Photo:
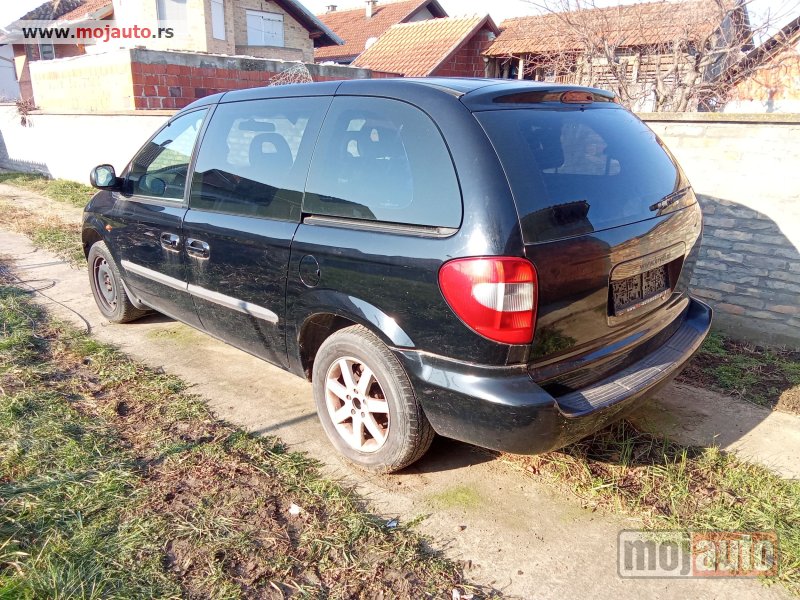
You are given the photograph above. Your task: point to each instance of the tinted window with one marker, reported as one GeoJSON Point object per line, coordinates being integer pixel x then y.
{"type": "Point", "coordinates": [254, 157]}
{"type": "Point", "coordinates": [383, 160]}
{"type": "Point", "coordinates": [161, 167]}
{"type": "Point", "coordinates": [577, 171]}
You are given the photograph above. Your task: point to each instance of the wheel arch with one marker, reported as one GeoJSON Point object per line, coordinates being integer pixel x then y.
{"type": "Point", "coordinates": [320, 322]}
{"type": "Point", "coordinates": [90, 235]}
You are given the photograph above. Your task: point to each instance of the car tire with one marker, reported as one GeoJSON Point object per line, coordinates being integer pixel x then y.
{"type": "Point", "coordinates": [107, 289]}
{"type": "Point", "coordinates": [377, 424]}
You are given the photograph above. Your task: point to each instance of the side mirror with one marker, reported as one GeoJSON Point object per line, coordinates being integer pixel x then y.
{"type": "Point", "coordinates": [104, 178]}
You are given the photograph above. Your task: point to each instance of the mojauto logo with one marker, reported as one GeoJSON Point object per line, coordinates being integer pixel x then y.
{"type": "Point", "coordinates": [656, 554]}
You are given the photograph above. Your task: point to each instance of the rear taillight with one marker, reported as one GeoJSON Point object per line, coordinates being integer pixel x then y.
{"type": "Point", "coordinates": [494, 296]}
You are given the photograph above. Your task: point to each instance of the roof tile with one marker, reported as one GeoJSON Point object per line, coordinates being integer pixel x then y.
{"type": "Point", "coordinates": [624, 26]}
{"type": "Point", "coordinates": [88, 8]}
{"type": "Point", "coordinates": [355, 29]}
{"type": "Point", "coordinates": [416, 49]}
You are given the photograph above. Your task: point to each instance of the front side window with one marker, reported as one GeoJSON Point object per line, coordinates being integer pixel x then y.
{"type": "Point", "coordinates": [264, 28]}
{"type": "Point", "coordinates": [383, 160]}
{"type": "Point", "coordinates": [161, 167]}
{"type": "Point", "coordinates": [254, 157]}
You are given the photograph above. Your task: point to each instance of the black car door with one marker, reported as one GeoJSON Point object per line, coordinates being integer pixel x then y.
{"type": "Point", "coordinates": [146, 220]}
{"type": "Point", "coordinates": [244, 208]}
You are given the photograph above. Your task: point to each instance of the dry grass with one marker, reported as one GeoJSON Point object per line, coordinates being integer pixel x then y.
{"type": "Point", "coordinates": [117, 483]}
{"type": "Point", "coordinates": [765, 376]}
{"type": "Point", "coordinates": [675, 487]}
{"type": "Point", "coordinates": [61, 238]}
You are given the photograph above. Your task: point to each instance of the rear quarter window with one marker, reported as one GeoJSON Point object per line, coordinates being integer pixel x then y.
{"type": "Point", "coordinates": [382, 160]}
{"type": "Point", "coordinates": [575, 171]}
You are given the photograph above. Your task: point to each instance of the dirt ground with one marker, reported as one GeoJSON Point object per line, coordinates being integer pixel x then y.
{"type": "Point", "coordinates": [519, 536]}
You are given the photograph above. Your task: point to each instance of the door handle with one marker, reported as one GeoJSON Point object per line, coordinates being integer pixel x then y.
{"type": "Point", "coordinates": [197, 248]}
{"type": "Point", "coordinates": [170, 241]}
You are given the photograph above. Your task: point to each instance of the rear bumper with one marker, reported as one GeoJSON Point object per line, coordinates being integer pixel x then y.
{"type": "Point", "coordinates": [502, 408]}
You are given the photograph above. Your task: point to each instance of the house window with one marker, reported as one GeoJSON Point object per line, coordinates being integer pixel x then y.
{"type": "Point", "coordinates": [47, 51]}
{"type": "Point", "coordinates": [264, 28]}
{"type": "Point", "coordinates": [171, 10]}
{"type": "Point", "coordinates": [218, 19]}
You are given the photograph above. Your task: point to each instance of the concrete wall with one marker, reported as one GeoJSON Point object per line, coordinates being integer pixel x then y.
{"type": "Point", "coordinates": [95, 83]}
{"type": "Point", "coordinates": [746, 169]}
{"type": "Point", "coordinates": [68, 145]}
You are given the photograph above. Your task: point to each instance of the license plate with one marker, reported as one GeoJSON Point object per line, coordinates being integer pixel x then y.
{"type": "Point", "coordinates": [633, 292]}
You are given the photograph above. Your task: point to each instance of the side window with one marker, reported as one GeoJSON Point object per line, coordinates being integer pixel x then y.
{"type": "Point", "coordinates": [254, 157]}
{"type": "Point", "coordinates": [383, 160]}
{"type": "Point", "coordinates": [161, 167]}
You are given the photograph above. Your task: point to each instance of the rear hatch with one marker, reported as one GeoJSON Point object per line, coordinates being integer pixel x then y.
{"type": "Point", "coordinates": [608, 219]}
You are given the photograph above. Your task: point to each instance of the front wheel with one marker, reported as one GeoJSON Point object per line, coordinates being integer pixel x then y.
{"type": "Point", "coordinates": [107, 289]}
{"type": "Point", "coordinates": [366, 404]}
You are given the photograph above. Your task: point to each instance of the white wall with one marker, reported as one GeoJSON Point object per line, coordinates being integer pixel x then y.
{"type": "Point", "coordinates": [68, 146]}
{"type": "Point", "coordinates": [9, 88]}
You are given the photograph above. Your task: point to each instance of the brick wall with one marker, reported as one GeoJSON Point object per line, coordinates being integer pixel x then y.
{"type": "Point", "coordinates": [745, 169]}
{"type": "Point", "coordinates": [775, 88]}
{"type": "Point", "coordinates": [150, 79]}
{"type": "Point", "coordinates": [167, 80]}
{"type": "Point", "coordinates": [468, 60]}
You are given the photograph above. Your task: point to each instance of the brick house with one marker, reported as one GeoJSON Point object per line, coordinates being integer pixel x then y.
{"type": "Point", "coordinates": [447, 47]}
{"type": "Point", "coordinates": [268, 29]}
{"type": "Point", "coordinates": [769, 78]}
{"type": "Point", "coordinates": [360, 27]}
{"type": "Point", "coordinates": [65, 10]}
{"type": "Point", "coordinates": [638, 44]}
{"type": "Point", "coordinates": [276, 29]}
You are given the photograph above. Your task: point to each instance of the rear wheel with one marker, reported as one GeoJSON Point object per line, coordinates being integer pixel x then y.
{"type": "Point", "coordinates": [107, 289]}
{"type": "Point", "coordinates": [366, 404]}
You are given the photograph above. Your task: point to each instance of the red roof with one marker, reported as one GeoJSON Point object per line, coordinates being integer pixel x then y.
{"type": "Point", "coordinates": [89, 9]}
{"type": "Point", "coordinates": [417, 49]}
{"type": "Point", "coordinates": [356, 29]}
{"type": "Point", "coordinates": [623, 26]}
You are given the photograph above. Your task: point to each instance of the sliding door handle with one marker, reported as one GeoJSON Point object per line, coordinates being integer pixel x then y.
{"type": "Point", "coordinates": [170, 241]}
{"type": "Point", "coordinates": [197, 248]}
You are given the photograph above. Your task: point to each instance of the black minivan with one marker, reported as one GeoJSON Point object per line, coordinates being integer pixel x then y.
{"type": "Point", "coordinates": [500, 262]}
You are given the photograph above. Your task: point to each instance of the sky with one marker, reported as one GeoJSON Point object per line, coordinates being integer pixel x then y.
{"type": "Point", "coordinates": [499, 9]}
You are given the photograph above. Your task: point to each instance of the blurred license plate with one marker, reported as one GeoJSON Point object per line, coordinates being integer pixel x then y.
{"type": "Point", "coordinates": [628, 294]}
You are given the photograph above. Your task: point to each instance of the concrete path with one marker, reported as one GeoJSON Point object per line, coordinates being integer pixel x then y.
{"type": "Point", "coordinates": [701, 417]}
{"type": "Point", "coordinates": [520, 536]}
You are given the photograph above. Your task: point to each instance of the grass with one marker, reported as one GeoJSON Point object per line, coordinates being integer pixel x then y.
{"type": "Point", "coordinates": [765, 376]}
{"type": "Point", "coordinates": [62, 190]}
{"type": "Point", "coordinates": [59, 237]}
{"type": "Point", "coordinates": [675, 487]}
{"type": "Point", "coordinates": [115, 482]}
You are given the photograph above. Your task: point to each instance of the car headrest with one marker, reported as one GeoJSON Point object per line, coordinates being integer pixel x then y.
{"type": "Point", "coordinates": [270, 151]}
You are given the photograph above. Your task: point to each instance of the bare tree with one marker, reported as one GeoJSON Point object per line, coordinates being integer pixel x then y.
{"type": "Point", "coordinates": [661, 56]}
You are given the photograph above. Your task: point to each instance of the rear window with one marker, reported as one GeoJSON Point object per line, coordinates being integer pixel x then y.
{"type": "Point", "coordinates": [576, 171]}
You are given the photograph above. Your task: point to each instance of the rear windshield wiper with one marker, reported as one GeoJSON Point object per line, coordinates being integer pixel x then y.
{"type": "Point", "coordinates": [670, 199]}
